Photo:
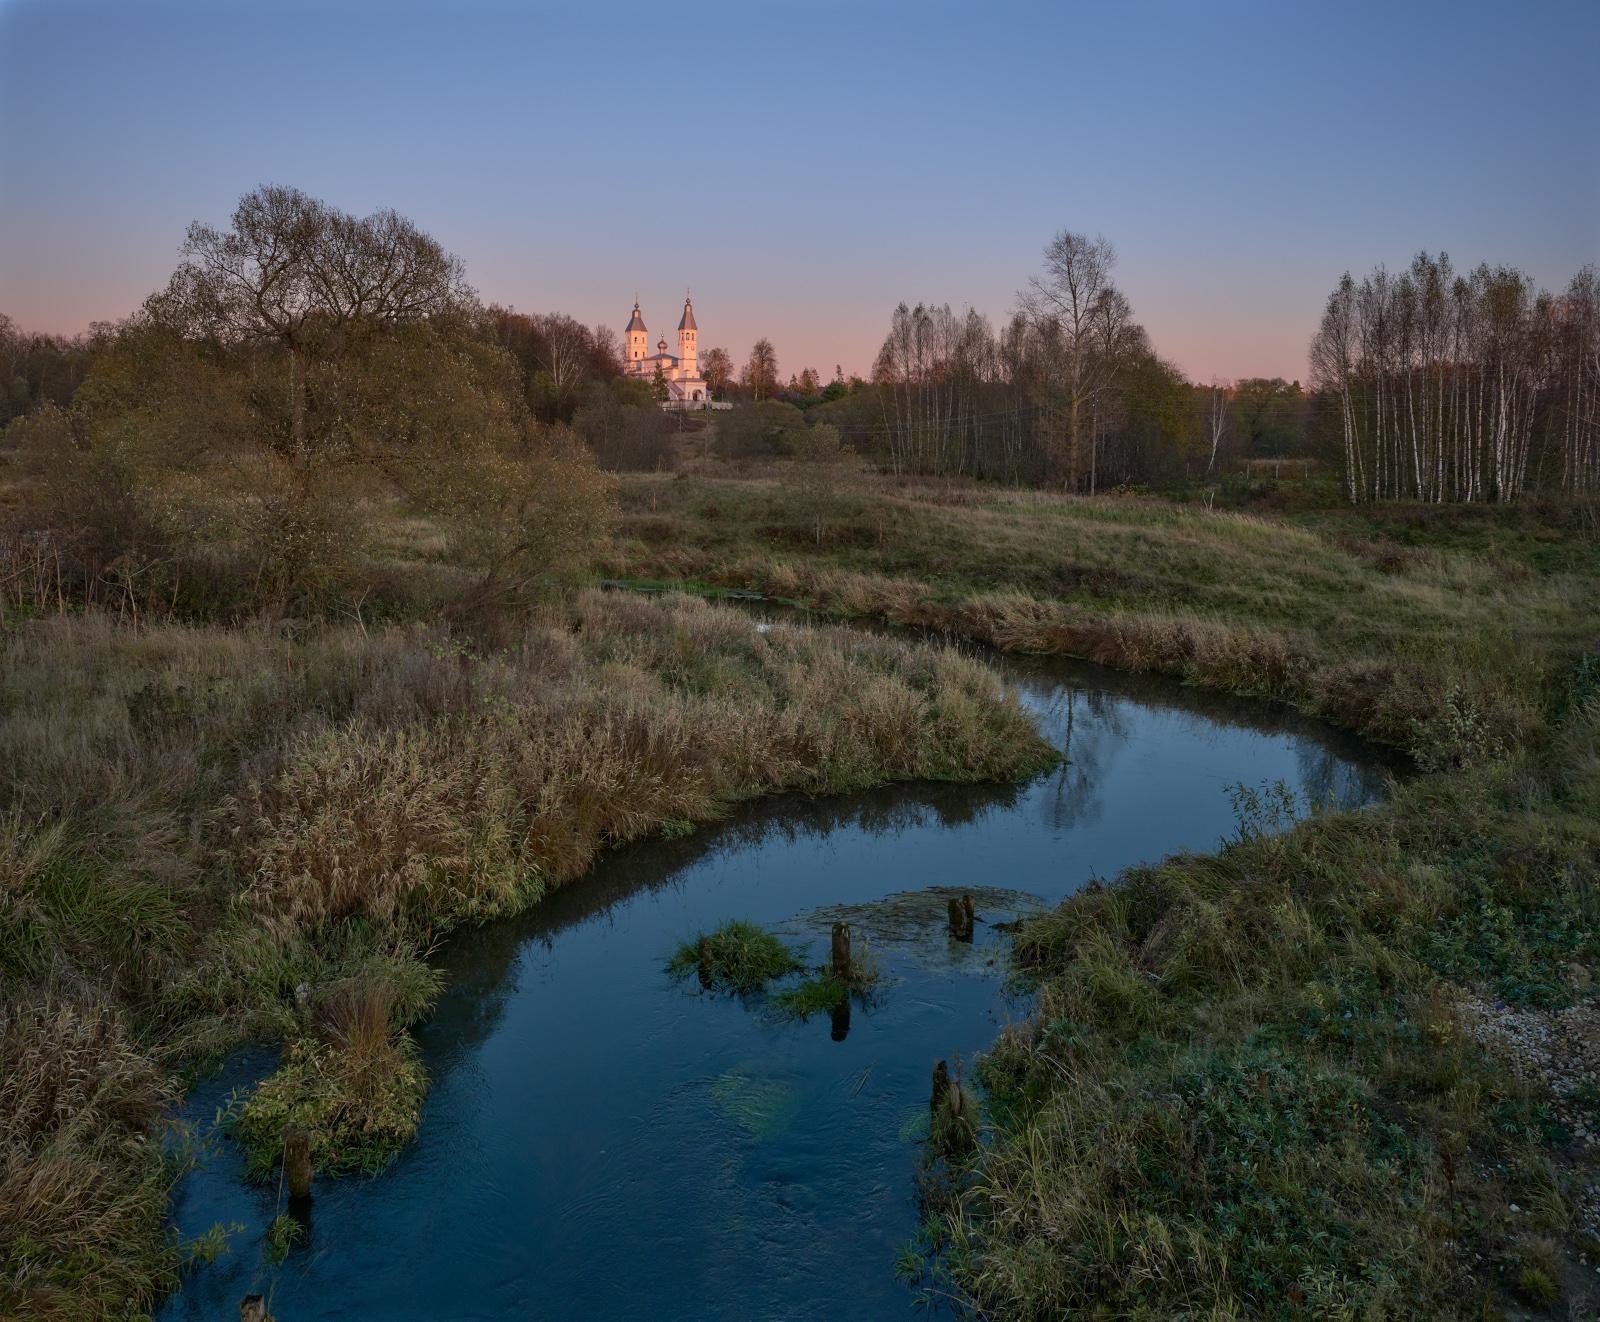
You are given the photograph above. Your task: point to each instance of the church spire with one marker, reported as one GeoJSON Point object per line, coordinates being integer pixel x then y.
{"type": "Point", "coordinates": [637, 339]}
{"type": "Point", "coordinates": [688, 353]}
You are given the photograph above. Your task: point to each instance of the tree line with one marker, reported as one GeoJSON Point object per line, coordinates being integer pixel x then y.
{"type": "Point", "coordinates": [1454, 387]}
{"type": "Point", "coordinates": [301, 357]}
{"type": "Point", "coordinates": [1069, 392]}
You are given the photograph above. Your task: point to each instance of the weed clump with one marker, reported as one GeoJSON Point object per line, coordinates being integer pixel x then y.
{"type": "Point", "coordinates": [353, 1082]}
{"type": "Point", "coordinates": [737, 957]}
{"type": "Point", "coordinates": [822, 993]}
{"type": "Point", "coordinates": [827, 990]}
{"type": "Point", "coordinates": [282, 1235]}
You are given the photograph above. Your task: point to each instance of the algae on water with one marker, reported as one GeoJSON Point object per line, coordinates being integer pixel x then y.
{"type": "Point", "coordinates": [760, 1105]}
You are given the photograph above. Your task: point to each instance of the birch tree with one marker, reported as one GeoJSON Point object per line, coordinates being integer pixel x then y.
{"type": "Point", "coordinates": [1075, 301]}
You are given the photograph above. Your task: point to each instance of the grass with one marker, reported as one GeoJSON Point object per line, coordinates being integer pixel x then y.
{"type": "Point", "coordinates": [1246, 1087]}
{"type": "Point", "coordinates": [83, 1188]}
{"type": "Point", "coordinates": [211, 834]}
{"type": "Point", "coordinates": [353, 1083]}
{"type": "Point", "coordinates": [1246, 1090]}
{"type": "Point", "coordinates": [737, 957]}
{"type": "Point", "coordinates": [825, 991]}
{"type": "Point", "coordinates": [282, 1235]}
{"type": "Point", "coordinates": [821, 993]}
{"type": "Point", "coordinates": [1319, 611]}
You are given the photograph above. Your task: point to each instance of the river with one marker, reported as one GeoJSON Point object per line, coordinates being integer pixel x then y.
{"type": "Point", "coordinates": [602, 1142]}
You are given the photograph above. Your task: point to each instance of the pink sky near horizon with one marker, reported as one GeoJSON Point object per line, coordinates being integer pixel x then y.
{"type": "Point", "coordinates": [804, 168]}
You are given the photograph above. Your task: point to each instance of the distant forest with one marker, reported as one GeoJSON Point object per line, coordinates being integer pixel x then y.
{"type": "Point", "coordinates": [1426, 385]}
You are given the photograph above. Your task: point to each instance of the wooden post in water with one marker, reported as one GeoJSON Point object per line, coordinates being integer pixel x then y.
{"type": "Point", "coordinates": [705, 962]}
{"type": "Point", "coordinates": [253, 1308]}
{"type": "Point", "coordinates": [297, 1161]}
{"type": "Point", "coordinates": [940, 1095]}
{"type": "Point", "coordinates": [841, 952]}
{"type": "Point", "coordinates": [961, 917]}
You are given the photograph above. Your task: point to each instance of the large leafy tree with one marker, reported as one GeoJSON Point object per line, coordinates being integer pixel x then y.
{"type": "Point", "coordinates": [298, 366]}
{"type": "Point", "coordinates": [293, 277]}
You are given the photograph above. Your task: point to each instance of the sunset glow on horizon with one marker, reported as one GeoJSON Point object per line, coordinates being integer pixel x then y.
{"type": "Point", "coordinates": [803, 171]}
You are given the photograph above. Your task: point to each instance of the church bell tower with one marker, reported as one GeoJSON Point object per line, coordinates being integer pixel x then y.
{"type": "Point", "coordinates": [687, 333]}
{"type": "Point", "coordinates": [638, 341]}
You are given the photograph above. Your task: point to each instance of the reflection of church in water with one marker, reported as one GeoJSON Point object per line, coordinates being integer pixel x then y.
{"type": "Point", "coordinates": [686, 388]}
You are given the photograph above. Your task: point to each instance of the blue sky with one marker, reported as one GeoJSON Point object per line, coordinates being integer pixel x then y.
{"type": "Point", "coordinates": [805, 167]}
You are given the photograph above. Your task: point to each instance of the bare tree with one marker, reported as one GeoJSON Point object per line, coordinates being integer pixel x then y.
{"type": "Point", "coordinates": [717, 367]}
{"type": "Point", "coordinates": [1082, 315]}
{"type": "Point", "coordinates": [761, 371]}
{"type": "Point", "coordinates": [1217, 413]}
{"type": "Point", "coordinates": [1459, 388]}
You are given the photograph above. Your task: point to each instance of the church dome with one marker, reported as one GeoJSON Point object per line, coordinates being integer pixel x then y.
{"type": "Point", "coordinates": [686, 322]}
{"type": "Point", "coordinates": [637, 324]}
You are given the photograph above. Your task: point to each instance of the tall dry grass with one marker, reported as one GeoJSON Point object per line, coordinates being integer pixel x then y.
{"type": "Point", "coordinates": [1330, 615]}
{"type": "Point", "coordinates": [83, 1185]}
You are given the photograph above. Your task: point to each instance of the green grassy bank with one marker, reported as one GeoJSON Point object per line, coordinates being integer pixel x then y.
{"type": "Point", "coordinates": [1350, 1071]}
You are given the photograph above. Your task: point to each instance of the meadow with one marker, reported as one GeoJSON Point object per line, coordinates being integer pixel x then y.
{"type": "Point", "coordinates": [1276, 1081]}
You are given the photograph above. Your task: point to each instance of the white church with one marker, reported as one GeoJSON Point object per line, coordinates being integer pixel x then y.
{"type": "Point", "coordinates": [686, 388]}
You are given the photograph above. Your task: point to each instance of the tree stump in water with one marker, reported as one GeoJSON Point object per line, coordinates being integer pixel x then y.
{"type": "Point", "coordinates": [253, 1308]}
{"type": "Point", "coordinates": [940, 1095]}
{"type": "Point", "coordinates": [956, 1102]}
{"type": "Point", "coordinates": [951, 1130]}
{"type": "Point", "coordinates": [841, 952]}
{"type": "Point", "coordinates": [297, 1161]}
{"type": "Point", "coordinates": [961, 917]}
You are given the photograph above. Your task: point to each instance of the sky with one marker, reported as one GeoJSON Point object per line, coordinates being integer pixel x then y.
{"type": "Point", "coordinates": [805, 167]}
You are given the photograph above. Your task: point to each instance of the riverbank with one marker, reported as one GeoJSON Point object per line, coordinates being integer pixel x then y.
{"type": "Point", "coordinates": [1293, 1078]}
{"type": "Point", "coordinates": [1447, 634]}
{"type": "Point", "coordinates": [219, 834]}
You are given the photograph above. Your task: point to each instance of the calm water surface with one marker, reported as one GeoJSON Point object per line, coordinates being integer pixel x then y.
{"type": "Point", "coordinates": [601, 1142]}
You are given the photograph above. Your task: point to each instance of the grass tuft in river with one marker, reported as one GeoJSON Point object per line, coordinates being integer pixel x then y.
{"type": "Point", "coordinates": [738, 957]}
{"type": "Point", "coordinates": [282, 1235]}
{"type": "Point", "coordinates": [352, 1079]}
{"type": "Point", "coordinates": [828, 990]}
